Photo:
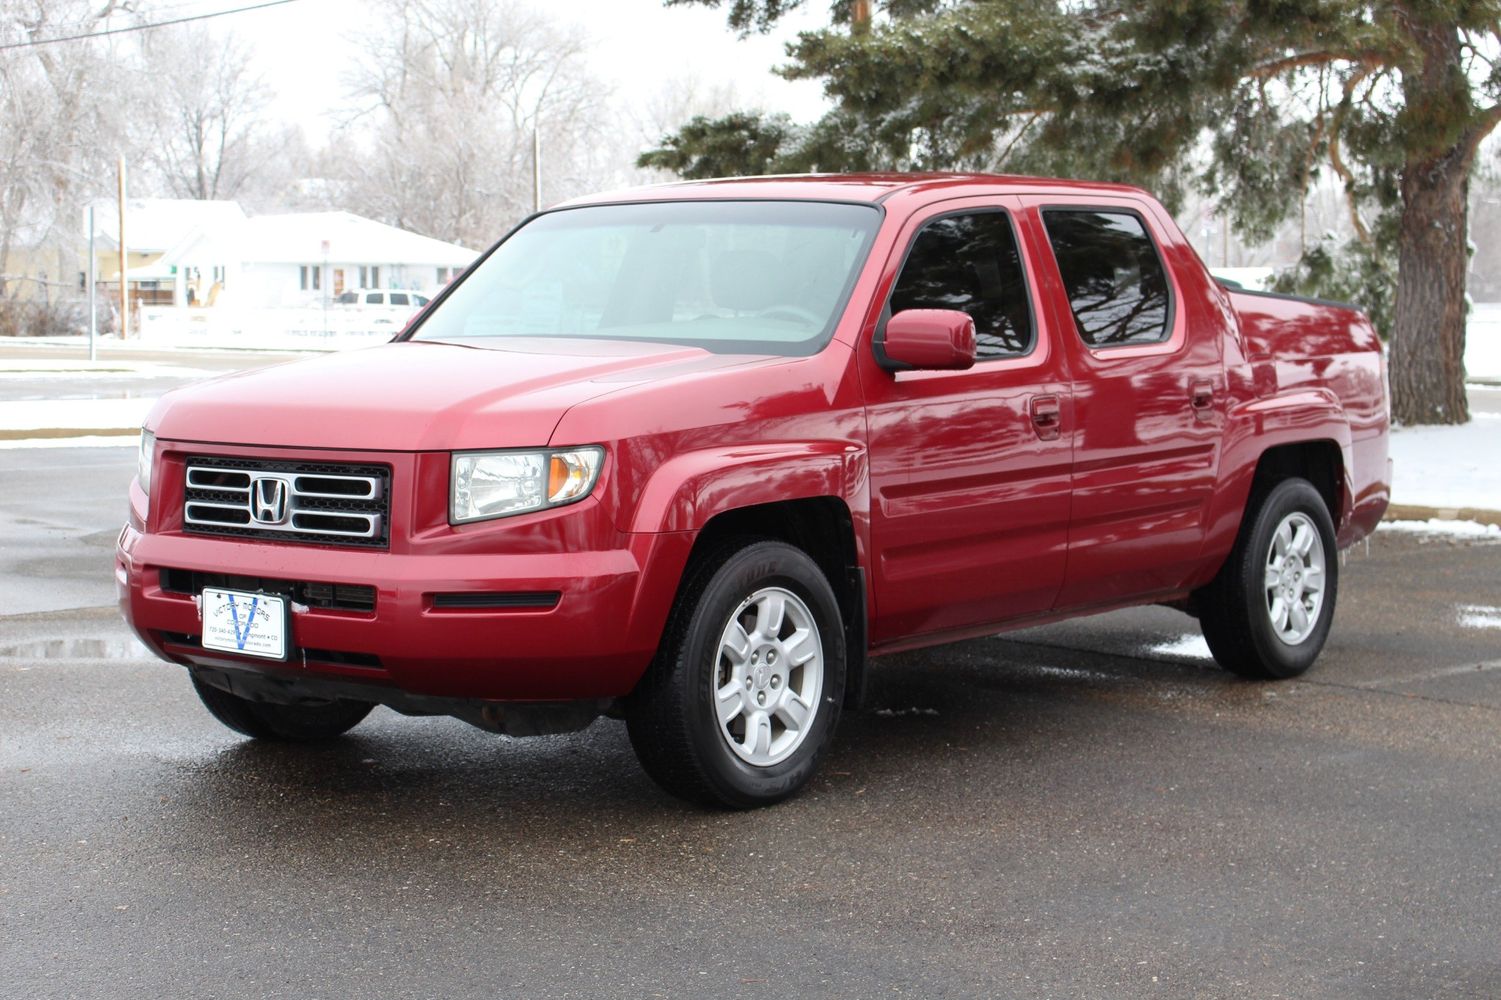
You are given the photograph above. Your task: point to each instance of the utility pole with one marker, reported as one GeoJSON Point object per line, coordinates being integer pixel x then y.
{"type": "Point", "coordinates": [536, 167]}
{"type": "Point", "coordinates": [93, 305]}
{"type": "Point", "coordinates": [124, 282]}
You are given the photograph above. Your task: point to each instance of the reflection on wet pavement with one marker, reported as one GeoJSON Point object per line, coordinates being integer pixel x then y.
{"type": "Point", "coordinates": [122, 648]}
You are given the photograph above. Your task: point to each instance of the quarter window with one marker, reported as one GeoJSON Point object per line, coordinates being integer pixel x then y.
{"type": "Point", "coordinates": [970, 263]}
{"type": "Point", "coordinates": [1114, 279]}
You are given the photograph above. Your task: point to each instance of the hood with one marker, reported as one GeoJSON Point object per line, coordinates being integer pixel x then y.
{"type": "Point", "coordinates": [420, 395]}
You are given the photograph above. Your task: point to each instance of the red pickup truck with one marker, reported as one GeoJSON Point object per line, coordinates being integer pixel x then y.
{"type": "Point", "coordinates": [691, 456]}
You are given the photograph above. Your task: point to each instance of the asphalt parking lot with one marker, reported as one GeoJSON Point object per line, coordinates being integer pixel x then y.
{"type": "Point", "coordinates": [1084, 810]}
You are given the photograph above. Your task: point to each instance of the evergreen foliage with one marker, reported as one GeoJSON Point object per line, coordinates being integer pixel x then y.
{"type": "Point", "coordinates": [1247, 102]}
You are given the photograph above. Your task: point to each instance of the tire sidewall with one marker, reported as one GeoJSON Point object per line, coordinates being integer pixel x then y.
{"type": "Point", "coordinates": [1287, 497]}
{"type": "Point", "coordinates": [766, 564]}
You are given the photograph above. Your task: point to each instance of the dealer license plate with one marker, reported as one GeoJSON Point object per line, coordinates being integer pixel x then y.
{"type": "Point", "coordinates": [248, 624]}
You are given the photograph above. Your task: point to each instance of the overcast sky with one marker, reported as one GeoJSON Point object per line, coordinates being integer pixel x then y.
{"type": "Point", "coordinates": [305, 50]}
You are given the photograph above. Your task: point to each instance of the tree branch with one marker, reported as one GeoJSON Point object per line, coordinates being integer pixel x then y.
{"type": "Point", "coordinates": [1338, 163]}
{"type": "Point", "coordinates": [1323, 57]}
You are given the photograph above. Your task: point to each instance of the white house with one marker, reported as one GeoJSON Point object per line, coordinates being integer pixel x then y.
{"type": "Point", "coordinates": [205, 253]}
{"type": "Point", "coordinates": [306, 258]}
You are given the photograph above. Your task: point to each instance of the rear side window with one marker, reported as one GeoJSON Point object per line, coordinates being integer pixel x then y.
{"type": "Point", "coordinates": [970, 262]}
{"type": "Point", "coordinates": [1114, 279]}
{"type": "Point", "coordinates": [375, 299]}
{"type": "Point", "coordinates": [399, 299]}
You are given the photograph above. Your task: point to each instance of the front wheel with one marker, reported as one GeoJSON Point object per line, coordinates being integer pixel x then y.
{"type": "Point", "coordinates": [290, 723]}
{"type": "Point", "coordinates": [1267, 614]}
{"type": "Point", "coordinates": [745, 691]}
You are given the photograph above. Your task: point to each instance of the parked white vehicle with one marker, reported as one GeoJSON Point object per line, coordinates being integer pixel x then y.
{"type": "Point", "coordinates": [382, 298]}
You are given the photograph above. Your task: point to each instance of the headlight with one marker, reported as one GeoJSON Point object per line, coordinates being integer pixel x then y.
{"type": "Point", "coordinates": [490, 484]}
{"type": "Point", "coordinates": [143, 460]}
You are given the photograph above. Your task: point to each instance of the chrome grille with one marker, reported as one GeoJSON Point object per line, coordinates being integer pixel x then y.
{"type": "Point", "coordinates": [313, 502]}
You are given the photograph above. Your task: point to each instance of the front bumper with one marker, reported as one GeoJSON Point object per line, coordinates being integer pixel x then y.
{"type": "Point", "coordinates": [593, 643]}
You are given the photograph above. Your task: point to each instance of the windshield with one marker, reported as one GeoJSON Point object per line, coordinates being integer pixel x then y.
{"type": "Point", "coordinates": [766, 277]}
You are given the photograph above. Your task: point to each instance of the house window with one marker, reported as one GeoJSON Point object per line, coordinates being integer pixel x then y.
{"type": "Point", "coordinates": [444, 273]}
{"type": "Point", "coordinates": [311, 275]}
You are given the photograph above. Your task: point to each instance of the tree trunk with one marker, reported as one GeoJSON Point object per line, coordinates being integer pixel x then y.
{"type": "Point", "coordinates": [1428, 329]}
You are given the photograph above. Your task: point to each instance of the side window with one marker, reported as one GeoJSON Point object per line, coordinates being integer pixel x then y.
{"type": "Point", "coordinates": [1114, 279]}
{"type": "Point", "coordinates": [970, 262]}
{"type": "Point", "coordinates": [399, 299]}
{"type": "Point", "coordinates": [375, 299]}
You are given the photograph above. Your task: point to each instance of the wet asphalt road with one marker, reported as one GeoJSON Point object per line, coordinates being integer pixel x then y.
{"type": "Point", "coordinates": [1084, 810]}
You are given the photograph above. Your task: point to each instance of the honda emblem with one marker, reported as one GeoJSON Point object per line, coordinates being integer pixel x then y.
{"type": "Point", "coordinates": [268, 500]}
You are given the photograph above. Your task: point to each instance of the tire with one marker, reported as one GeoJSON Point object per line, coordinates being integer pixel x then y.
{"type": "Point", "coordinates": [777, 721]}
{"type": "Point", "coordinates": [284, 723]}
{"type": "Point", "coordinates": [1267, 613]}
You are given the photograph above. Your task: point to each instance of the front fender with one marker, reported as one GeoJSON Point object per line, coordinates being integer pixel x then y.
{"type": "Point", "coordinates": [686, 491]}
{"type": "Point", "coordinates": [689, 489]}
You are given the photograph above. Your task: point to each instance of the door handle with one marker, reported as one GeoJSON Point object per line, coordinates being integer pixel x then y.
{"type": "Point", "coordinates": [1047, 417]}
{"type": "Point", "coordinates": [1201, 398]}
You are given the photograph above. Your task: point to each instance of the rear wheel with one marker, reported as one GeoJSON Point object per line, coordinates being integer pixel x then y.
{"type": "Point", "coordinates": [291, 723]}
{"type": "Point", "coordinates": [1267, 614]}
{"type": "Point", "coordinates": [745, 691]}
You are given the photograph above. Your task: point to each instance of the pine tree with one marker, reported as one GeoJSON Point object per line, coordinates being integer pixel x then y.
{"type": "Point", "coordinates": [1247, 101]}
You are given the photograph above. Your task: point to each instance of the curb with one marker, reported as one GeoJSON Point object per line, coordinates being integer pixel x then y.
{"type": "Point", "coordinates": [37, 433]}
{"type": "Point", "coordinates": [1413, 512]}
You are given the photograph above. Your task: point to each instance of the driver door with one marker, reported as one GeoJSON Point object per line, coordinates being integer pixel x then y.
{"type": "Point", "coordinates": [970, 470]}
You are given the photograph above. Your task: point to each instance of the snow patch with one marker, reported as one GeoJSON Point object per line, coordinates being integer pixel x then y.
{"type": "Point", "coordinates": [1448, 467]}
{"type": "Point", "coordinates": [1440, 527]}
{"type": "Point", "coordinates": [1191, 645]}
{"type": "Point", "coordinates": [1483, 341]}
{"type": "Point", "coordinates": [1479, 616]}
{"type": "Point", "coordinates": [89, 441]}
{"type": "Point", "coordinates": [51, 368]}
{"type": "Point", "coordinates": [83, 414]}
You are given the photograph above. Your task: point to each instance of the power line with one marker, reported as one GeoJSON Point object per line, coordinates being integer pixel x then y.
{"type": "Point", "coordinates": [143, 27]}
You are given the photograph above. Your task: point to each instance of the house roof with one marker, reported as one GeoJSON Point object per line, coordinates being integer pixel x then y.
{"type": "Point", "coordinates": [300, 239]}
{"type": "Point", "coordinates": [156, 225]}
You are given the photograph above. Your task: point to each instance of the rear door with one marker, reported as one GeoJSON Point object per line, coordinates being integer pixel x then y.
{"type": "Point", "coordinates": [969, 469]}
{"type": "Point", "coordinates": [1148, 394]}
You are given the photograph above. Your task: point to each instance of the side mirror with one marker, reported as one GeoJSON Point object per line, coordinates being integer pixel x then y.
{"type": "Point", "coordinates": [930, 339]}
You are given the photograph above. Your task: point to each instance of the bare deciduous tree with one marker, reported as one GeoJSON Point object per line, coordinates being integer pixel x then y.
{"type": "Point", "coordinates": [56, 141]}
{"type": "Point", "coordinates": [201, 116]}
{"type": "Point", "coordinates": [455, 90]}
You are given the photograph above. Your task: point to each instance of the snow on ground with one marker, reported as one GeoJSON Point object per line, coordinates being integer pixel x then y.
{"type": "Point", "coordinates": [1439, 526]}
{"type": "Point", "coordinates": [1190, 644]}
{"type": "Point", "coordinates": [74, 414]}
{"type": "Point", "coordinates": [1449, 467]}
{"type": "Point", "coordinates": [42, 369]}
{"type": "Point", "coordinates": [1479, 616]}
{"type": "Point", "coordinates": [1483, 342]}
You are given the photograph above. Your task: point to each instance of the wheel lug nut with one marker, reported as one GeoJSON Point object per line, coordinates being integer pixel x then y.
{"type": "Point", "coordinates": [747, 683]}
{"type": "Point", "coordinates": [771, 657]}
{"type": "Point", "coordinates": [775, 680]}
{"type": "Point", "coordinates": [760, 697]}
